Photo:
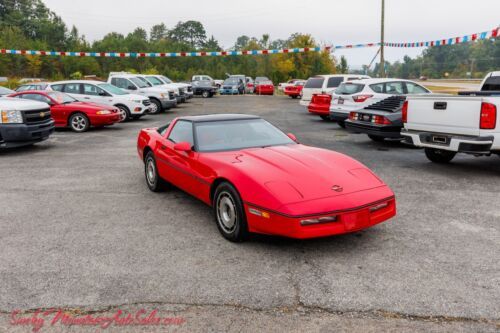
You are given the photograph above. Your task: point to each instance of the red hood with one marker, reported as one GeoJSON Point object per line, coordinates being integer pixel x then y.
{"type": "Point", "coordinates": [297, 173]}
{"type": "Point", "coordinates": [89, 106]}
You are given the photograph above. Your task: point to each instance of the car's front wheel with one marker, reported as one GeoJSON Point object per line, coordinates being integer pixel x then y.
{"type": "Point", "coordinates": [205, 94]}
{"type": "Point", "coordinates": [229, 213]}
{"type": "Point", "coordinates": [439, 155]}
{"type": "Point", "coordinates": [153, 180]}
{"type": "Point", "coordinates": [124, 113]}
{"type": "Point", "coordinates": [155, 107]}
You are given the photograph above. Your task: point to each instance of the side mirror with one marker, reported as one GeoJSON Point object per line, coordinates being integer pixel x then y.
{"type": "Point", "coordinates": [131, 88]}
{"type": "Point", "coordinates": [183, 146]}
{"type": "Point", "coordinates": [293, 137]}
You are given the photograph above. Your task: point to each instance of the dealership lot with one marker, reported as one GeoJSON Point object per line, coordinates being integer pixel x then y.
{"type": "Point", "coordinates": [79, 228]}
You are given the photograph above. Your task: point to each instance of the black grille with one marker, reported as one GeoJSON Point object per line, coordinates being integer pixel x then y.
{"type": "Point", "coordinates": [146, 102]}
{"type": "Point", "coordinates": [171, 95]}
{"type": "Point", "coordinates": [182, 92]}
{"type": "Point", "coordinates": [190, 89]}
{"type": "Point", "coordinates": [36, 116]}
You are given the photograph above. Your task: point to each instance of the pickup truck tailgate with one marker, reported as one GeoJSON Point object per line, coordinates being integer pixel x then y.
{"type": "Point", "coordinates": [447, 114]}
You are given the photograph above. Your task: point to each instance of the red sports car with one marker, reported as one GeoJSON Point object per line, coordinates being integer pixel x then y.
{"type": "Point", "coordinates": [320, 105]}
{"type": "Point", "coordinates": [259, 180]}
{"type": "Point", "coordinates": [295, 90]}
{"type": "Point", "coordinates": [68, 112]}
{"type": "Point", "coordinates": [264, 88]}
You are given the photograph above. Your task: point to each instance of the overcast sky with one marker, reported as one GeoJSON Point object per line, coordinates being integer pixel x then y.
{"type": "Point", "coordinates": [329, 21]}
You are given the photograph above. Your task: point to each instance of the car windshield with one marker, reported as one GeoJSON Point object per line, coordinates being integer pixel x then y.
{"type": "Point", "coordinates": [238, 134]}
{"type": "Point", "coordinates": [5, 91]}
{"type": "Point", "coordinates": [349, 88]}
{"type": "Point", "coordinates": [231, 81]}
{"type": "Point", "coordinates": [154, 81]}
{"type": "Point", "coordinates": [112, 89]}
{"type": "Point", "coordinates": [166, 79]}
{"type": "Point", "coordinates": [265, 83]}
{"type": "Point", "coordinates": [138, 82]}
{"type": "Point", "coordinates": [60, 97]}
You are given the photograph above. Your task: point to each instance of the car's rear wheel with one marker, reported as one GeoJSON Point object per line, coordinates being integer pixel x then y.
{"type": "Point", "coordinates": [294, 96]}
{"type": "Point", "coordinates": [205, 94]}
{"type": "Point", "coordinates": [153, 180]}
{"type": "Point", "coordinates": [229, 213]}
{"type": "Point", "coordinates": [325, 118]}
{"type": "Point", "coordinates": [79, 122]}
{"type": "Point", "coordinates": [376, 138]}
{"type": "Point", "coordinates": [439, 155]}
{"type": "Point", "coordinates": [155, 107]}
{"type": "Point", "coordinates": [124, 113]}
{"type": "Point", "coordinates": [341, 123]}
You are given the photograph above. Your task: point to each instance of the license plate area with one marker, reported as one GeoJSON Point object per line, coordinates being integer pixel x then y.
{"type": "Point", "coordinates": [341, 100]}
{"type": "Point", "coordinates": [440, 139]}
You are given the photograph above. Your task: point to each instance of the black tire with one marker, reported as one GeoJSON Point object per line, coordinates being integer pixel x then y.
{"type": "Point", "coordinates": [229, 213]}
{"type": "Point", "coordinates": [153, 180]}
{"type": "Point", "coordinates": [341, 123]}
{"type": "Point", "coordinates": [156, 107]}
{"type": "Point", "coordinates": [325, 118]}
{"type": "Point", "coordinates": [439, 155]}
{"type": "Point", "coordinates": [294, 96]}
{"type": "Point", "coordinates": [79, 122]}
{"type": "Point", "coordinates": [376, 138]}
{"type": "Point", "coordinates": [124, 113]}
{"type": "Point", "coordinates": [205, 94]}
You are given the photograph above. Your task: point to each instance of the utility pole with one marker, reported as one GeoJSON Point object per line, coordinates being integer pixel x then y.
{"type": "Point", "coordinates": [382, 41]}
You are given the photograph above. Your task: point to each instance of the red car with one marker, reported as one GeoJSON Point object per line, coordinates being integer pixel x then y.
{"type": "Point", "coordinates": [68, 112]}
{"type": "Point", "coordinates": [264, 88]}
{"type": "Point", "coordinates": [259, 180]}
{"type": "Point", "coordinates": [320, 105]}
{"type": "Point", "coordinates": [295, 90]}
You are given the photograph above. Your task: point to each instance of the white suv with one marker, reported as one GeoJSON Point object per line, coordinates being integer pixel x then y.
{"type": "Point", "coordinates": [323, 84]}
{"type": "Point", "coordinates": [161, 98]}
{"type": "Point", "coordinates": [186, 89]}
{"type": "Point", "coordinates": [131, 106]}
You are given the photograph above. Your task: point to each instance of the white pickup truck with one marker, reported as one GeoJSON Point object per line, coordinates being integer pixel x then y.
{"type": "Point", "coordinates": [446, 125]}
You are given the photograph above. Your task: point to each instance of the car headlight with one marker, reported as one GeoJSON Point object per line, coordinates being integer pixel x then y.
{"type": "Point", "coordinates": [12, 117]}
{"type": "Point", "coordinates": [104, 112]}
{"type": "Point", "coordinates": [162, 95]}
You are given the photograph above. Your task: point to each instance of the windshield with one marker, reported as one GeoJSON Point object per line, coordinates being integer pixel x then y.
{"type": "Point", "coordinates": [265, 83]}
{"type": "Point", "coordinates": [138, 82]}
{"type": "Point", "coordinates": [166, 79]}
{"type": "Point", "coordinates": [5, 91]}
{"type": "Point", "coordinates": [60, 97]}
{"type": "Point", "coordinates": [314, 82]}
{"type": "Point", "coordinates": [232, 81]}
{"type": "Point", "coordinates": [154, 81]}
{"type": "Point", "coordinates": [349, 88]}
{"type": "Point", "coordinates": [145, 81]}
{"type": "Point", "coordinates": [112, 89]}
{"type": "Point", "coordinates": [238, 134]}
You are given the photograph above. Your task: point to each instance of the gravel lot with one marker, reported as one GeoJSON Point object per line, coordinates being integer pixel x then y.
{"type": "Point", "coordinates": [80, 229]}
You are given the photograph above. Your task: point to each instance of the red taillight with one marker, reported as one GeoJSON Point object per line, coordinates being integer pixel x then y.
{"type": "Point", "coordinates": [488, 116]}
{"type": "Point", "coordinates": [381, 120]}
{"type": "Point", "coordinates": [361, 98]}
{"type": "Point", "coordinates": [353, 116]}
{"type": "Point", "coordinates": [405, 112]}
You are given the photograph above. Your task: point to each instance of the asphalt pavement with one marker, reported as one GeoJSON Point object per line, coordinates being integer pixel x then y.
{"type": "Point", "coordinates": [80, 230]}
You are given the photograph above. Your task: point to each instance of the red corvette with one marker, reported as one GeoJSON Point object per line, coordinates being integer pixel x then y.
{"type": "Point", "coordinates": [295, 90]}
{"type": "Point", "coordinates": [68, 112]}
{"type": "Point", "coordinates": [264, 88]}
{"type": "Point", "coordinates": [320, 105]}
{"type": "Point", "coordinates": [260, 180]}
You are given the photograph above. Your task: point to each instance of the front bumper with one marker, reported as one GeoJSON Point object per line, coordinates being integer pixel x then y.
{"type": "Point", "coordinates": [229, 91]}
{"type": "Point", "coordinates": [168, 103]}
{"type": "Point", "coordinates": [17, 135]}
{"type": "Point", "coordinates": [318, 109]}
{"type": "Point", "coordinates": [450, 142]}
{"type": "Point", "coordinates": [347, 221]}
{"type": "Point", "coordinates": [385, 131]}
{"type": "Point", "coordinates": [105, 119]}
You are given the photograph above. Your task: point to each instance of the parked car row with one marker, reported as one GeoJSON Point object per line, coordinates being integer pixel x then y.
{"type": "Point", "coordinates": [404, 110]}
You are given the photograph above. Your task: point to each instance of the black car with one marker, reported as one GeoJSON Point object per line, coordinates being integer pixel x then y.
{"type": "Point", "coordinates": [382, 120]}
{"type": "Point", "coordinates": [204, 89]}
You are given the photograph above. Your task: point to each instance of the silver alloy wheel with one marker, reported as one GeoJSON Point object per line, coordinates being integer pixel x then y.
{"type": "Point", "coordinates": [154, 108]}
{"type": "Point", "coordinates": [123, 114]}
{"type": "Point", "coordinates": [150, 171]}
{"type": "Point", "coordinates": [78, 123]}
{"type": "Point", "coordinates": [205, 94]}
{"type": "Point", "coordinates": [226, 212]}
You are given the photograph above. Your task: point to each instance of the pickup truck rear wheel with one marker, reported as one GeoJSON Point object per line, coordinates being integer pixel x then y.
{"type": "Point", "coordinates": [439, 155]}
{"type": "Point", "coordinates": [79, 122]}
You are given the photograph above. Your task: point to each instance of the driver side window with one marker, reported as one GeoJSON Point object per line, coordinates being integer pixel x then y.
{"type": "Point", "coordinates": [89, 89]}
{"type": "Point", "coordinates": [182, 132]}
